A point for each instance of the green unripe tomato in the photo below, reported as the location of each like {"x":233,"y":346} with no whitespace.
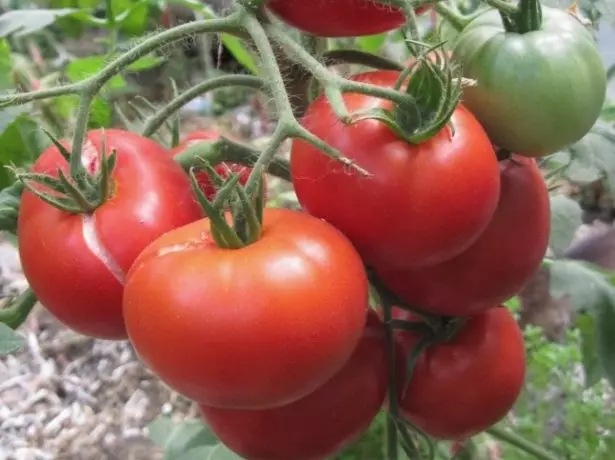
{"x":537,"y":92}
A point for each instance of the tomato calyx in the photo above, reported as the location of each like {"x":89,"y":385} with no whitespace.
{"x":246,"y":212}
{"x":435,"y":85}
{"x":527,"y":18}
{"x":80,"y":193}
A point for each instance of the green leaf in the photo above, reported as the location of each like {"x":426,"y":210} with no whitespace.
{"x":134,"y":20}
{"x":10,"y":341}
{"x":9,"y":207}
{"x":101,"y":115}
{"x":6,"y":66}
{"x":372,"y":43}
{"x":240,"y":52}
{"x":146,"y":62}
{"x":178,"y":438}
{"x":22,"y":142}
{"x":160,"y":430}
{"x":605,"y":337}
{"x":585,"y":323}
{"x":82,"y":68}
{"x":566,"y":218}
{"x":592,"y":157}
{"x":221,"y":452}
{"x":586,"y":286}
{"x":23,"y":22}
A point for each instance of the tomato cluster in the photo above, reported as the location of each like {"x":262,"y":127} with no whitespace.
{"x":275,"y":338}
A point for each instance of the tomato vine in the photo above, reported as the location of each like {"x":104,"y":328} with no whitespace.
{"x":423,"y":100}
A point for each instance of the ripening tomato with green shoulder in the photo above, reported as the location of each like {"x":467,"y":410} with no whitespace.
{"x":223,"y":169}
{"x":340,"y":18}
{"x":422,"y":203}
{"x":76,"y":263}
{"x":249,"y":328}
{"x":321,"y":424}
{"x":499,"y":263}
{"x":462,"y":386}
{"x":540,"y":88}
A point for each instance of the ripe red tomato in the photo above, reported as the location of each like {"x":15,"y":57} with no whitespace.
{"x":76,"y":264}
{"x":423,"y":203}
{"x":205,"y":183}
{"x":340,"y":18}
{"x":319,"y":425}
{"x":464,"y":386}
{"x":499,"y":263}
{"x":251,"y":328}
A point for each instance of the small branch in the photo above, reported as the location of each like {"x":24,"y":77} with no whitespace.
{"x":156,"y":121}
{"x":226,"y":150}
{"x":81,"y":128}
{"x":521,"y":443}
{"x":458,"y":21}
{"x":503,"y":6}
{"x":335,"y":83}
{"x":18,"y":309}
{"x":23,"y":98}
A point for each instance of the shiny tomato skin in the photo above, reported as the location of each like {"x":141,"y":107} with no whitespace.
{"x":319,"y":425}
{"x":76,"y":264}
{"x":339,"y":18}
{"x":464,"y":386}
{"x":422,"y":204}
{"x":252,"y":328}
{"x":499,"y":263}
{"x":222,"y":169}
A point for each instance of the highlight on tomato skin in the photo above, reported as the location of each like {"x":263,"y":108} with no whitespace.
{"x":248,"y":328}
{"x":499,"y":263}
{"x":423,"y":203}
{"x":466,"y":385}
{"x":319,"y":425}
{"x":76,"y":263}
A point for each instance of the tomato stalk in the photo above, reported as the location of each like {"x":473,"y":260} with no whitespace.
{"x":521,"y":443}
{"x":17,"y":309}
{"x":456,"y":19}
{"x":226,"y":150}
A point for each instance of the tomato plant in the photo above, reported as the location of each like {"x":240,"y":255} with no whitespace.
{"x":539,"y":90}
{"x":76,"y":263}
{"x":340,"y":18}
{"x":499,"y":263}
{"x":248,"y":328}
{"x":223,"y":169}
{"x":423,"y":204}
{"x":463,"y":386}
{"x":320,"y":424}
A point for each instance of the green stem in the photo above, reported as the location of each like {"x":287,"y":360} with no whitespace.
{"x":155,"y":122}
{"x":286,"y":119}
{"x":23,"y":98}
{"x":324,"y":77}
{"x":521,"y":443}
{"x":457,"y":20}
{"x":350,"y":56}
{"x":18,"y":310}
{"x":393,"y":412}
{"x":530,"y":16}
{"x":232,"y":152}
{"x":81,"y":127}
{"x":503,"y":6}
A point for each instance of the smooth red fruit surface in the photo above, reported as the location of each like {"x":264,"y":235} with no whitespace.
{"x":251,"y":328}
{"x":464,"y":386}
{"x":499,"y":263}
{"x":223,"y":169}
{"x":423,"y":204}
{"x":319,"y":425}
{"x":340,"y":18}
{"x":76,"y":264}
